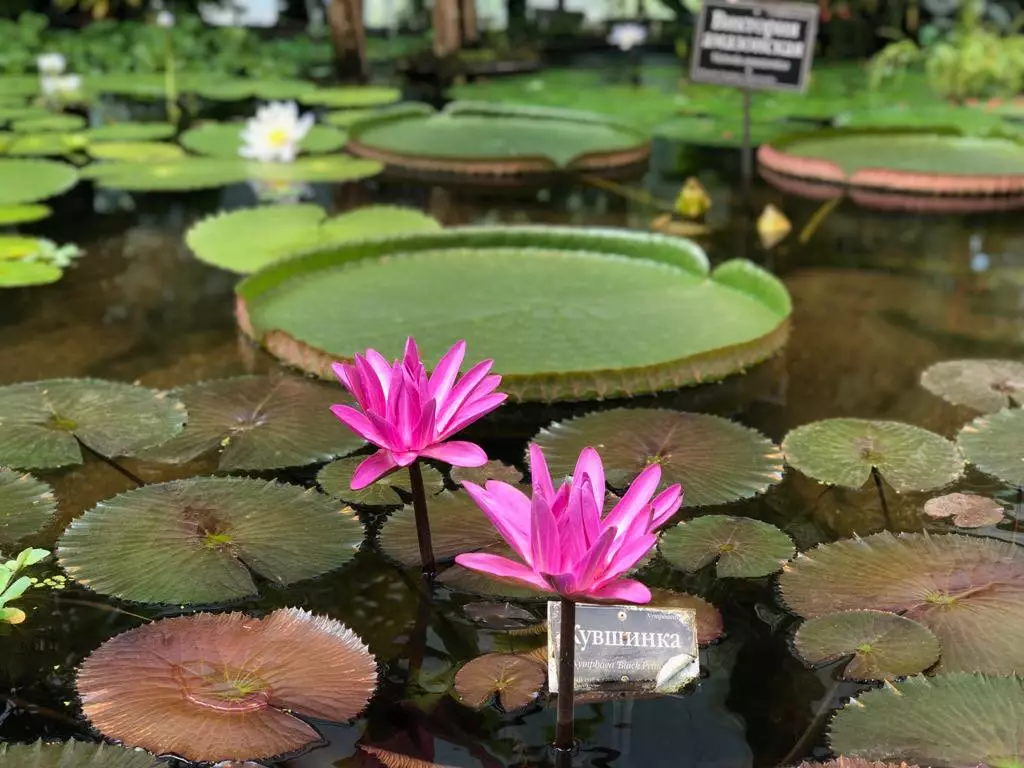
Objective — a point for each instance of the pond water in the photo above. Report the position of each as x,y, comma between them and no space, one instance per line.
878,297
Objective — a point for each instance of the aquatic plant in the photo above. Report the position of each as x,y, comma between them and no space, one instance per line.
772,226
28,181
336,480
13,586
968,510
739,546
514,681
456,526
993,444
984,385
627,36
26,505
693,201
74,754
274,134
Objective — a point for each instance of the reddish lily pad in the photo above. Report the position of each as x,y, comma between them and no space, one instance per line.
457,525
26,506
709,620
741,546
223,687
966,509
854,762
515,681
968,591
74,754
985,385
993,444
336,480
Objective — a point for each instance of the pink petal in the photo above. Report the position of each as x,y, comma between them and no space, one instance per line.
424,432
471,412
539,472
387,432
460,393
666,504
628,554
411,361
589,464
591,565
408,411
502,568
360,424
447,370
341,371
381,367
636,499
458,453
510,516
404,458
372,470
371,395
623,590
544,540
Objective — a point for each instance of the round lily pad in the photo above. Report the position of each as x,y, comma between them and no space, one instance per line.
518,284
716,460
258,422
45,144
22,214
18,274
966,509
459,579
41,422
985,385
741,546
492,470
336,480
26,506
11,113
224,687
353,96
514,681
882,645
714,131
26,181
376,221
130,132
993,444
198,541
843,451
56,123
968,591
74,754
456,525
502,616
326,169
951,720
348,117
183,174
225,139
135,151
709,620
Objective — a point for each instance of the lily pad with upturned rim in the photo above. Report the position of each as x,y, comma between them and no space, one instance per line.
28,181
843,451
130,132
513,680
224,687
994,444
985,385
198,541
225,139
26,506
74,754
969,591
740,546
457,525
336,480
967,510
41,422
716,460
258,422
957,720
882,645
23,214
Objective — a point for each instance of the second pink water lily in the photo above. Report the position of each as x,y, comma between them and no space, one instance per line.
566,544
408,414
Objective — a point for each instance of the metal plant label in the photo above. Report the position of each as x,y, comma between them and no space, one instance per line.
754,45
628,648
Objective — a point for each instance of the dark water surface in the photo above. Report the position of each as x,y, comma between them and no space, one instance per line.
878,297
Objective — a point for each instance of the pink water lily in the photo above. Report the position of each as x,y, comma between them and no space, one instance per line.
408,414
567,545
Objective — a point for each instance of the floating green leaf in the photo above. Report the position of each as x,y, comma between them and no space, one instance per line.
709,131
22,214
514,681
186,173
348,117
376,221
742,547
959,720
518,284
225,139
135,151
18,274
993,444
492,470
969,591
196,541
336,480
354,96
8,114
985,385
130,132
716,460
26,181
966,509
42,422
327,169
883,645
45,144
259,422
50,123
26,506
74,754
456,525
843,451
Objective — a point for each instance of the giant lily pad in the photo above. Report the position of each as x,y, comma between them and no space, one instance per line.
336,479
42,422
843,452
26,505
517,285
27,181
248,239
716,460
223,687
225,139
994,445
515,681
258,422
985,385
73,754
960,721
351,97
741,546
456,525
881,645
968,591
708,131
196,541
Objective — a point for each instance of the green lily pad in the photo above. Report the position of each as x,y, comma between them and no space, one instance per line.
225,139
518,284
716,460
882,645
961,721
41,422
511,680
9,114
248,239
27,181
985,385
742,547
22,214
709,131
142,85
968,591
18,246
941,115
492,470
346,118
135,151
50,123
843,452
21,274
459,579
993,444
351,97
456,526
26,506
967,510
45,144
184,174
326,169
130,132
336,480
199,541
74,754
258,422
281,88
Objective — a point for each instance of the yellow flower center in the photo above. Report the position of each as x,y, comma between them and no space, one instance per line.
277,137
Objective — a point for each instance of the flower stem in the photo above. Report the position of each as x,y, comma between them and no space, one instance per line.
566,677
419,505
881,497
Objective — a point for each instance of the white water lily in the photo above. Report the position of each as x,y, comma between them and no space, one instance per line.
275,133
165,19
625,37
61,85
51,64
